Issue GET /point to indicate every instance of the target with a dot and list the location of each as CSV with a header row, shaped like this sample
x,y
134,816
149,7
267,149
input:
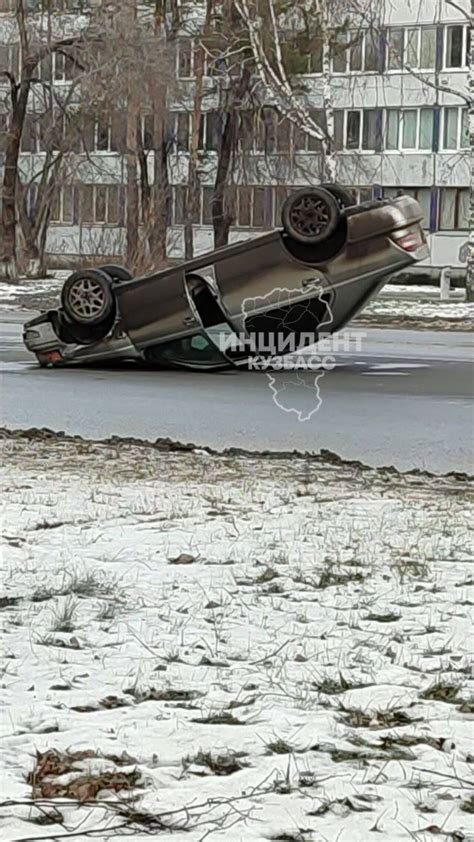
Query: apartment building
x,y
400,125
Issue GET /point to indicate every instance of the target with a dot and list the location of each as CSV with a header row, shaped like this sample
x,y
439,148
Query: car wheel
x,y
87,297
117,273
343,198
310,215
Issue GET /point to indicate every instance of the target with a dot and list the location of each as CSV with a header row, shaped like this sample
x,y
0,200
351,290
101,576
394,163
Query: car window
x,y
195,350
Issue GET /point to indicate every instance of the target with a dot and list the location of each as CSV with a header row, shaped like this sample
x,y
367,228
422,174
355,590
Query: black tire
x,y
117,273
343,198
310,215
87,297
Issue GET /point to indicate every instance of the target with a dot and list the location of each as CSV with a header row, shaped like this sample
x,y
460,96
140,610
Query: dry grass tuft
x,y
220,718
52,765
219,763
442,691
377,719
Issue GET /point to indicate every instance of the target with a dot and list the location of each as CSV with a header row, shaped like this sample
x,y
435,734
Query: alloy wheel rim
x,y
309,216
87,298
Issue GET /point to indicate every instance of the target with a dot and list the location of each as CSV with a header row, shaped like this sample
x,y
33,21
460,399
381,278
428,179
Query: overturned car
x,y
308,277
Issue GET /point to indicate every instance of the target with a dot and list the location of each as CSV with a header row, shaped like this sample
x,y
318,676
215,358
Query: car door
x,y
156,308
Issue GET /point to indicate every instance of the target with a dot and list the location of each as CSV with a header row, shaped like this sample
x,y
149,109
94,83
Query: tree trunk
x,y
221,221
132,221
161,195
328,159
221,218
34,228
194,185
8,264
470,243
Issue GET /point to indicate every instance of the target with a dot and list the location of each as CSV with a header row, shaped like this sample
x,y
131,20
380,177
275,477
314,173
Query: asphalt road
x,y
403,399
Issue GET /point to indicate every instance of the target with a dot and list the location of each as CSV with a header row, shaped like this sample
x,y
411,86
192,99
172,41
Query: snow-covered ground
x,y
232,647
419,306
36,294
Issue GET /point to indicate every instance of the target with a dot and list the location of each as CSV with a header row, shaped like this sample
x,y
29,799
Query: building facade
x,y
400,125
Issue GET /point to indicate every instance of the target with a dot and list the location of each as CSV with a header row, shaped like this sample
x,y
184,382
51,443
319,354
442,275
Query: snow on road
x,y
232,647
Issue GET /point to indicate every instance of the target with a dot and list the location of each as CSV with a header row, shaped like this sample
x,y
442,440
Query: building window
x,y
302,53
304,142
118,132
7,5
181,131
355,52
409,129
455,128
454,209
413,47
427,48
105,134
179,204
464,140
370,57
395,42
62,205
279,196
250,210
408,134
353,125
456,46
29,135
207,195
316,56
10,58
210,131
202,211
100,203
266,131
412,37
357,129
185,58
360,194
370,129
64,68
339,53
3,131
426,127
147,131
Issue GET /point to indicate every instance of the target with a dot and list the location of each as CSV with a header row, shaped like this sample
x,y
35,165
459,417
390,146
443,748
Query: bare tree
x,y
130,81
468,98
53,131
193,182
133,111
35,46
269,24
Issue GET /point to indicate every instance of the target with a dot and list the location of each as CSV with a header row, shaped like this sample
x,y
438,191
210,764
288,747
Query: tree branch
x,y
459,9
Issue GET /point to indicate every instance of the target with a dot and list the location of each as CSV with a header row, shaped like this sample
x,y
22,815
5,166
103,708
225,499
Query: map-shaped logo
x,y
283,328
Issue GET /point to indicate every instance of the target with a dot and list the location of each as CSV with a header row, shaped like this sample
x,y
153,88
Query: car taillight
x,y
410,238
50,356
